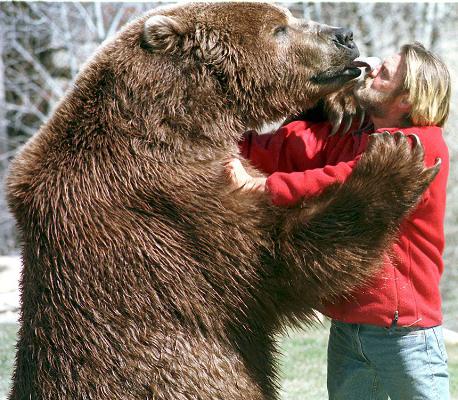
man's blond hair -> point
(427, 81)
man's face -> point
(377, 93)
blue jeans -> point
(367, 362)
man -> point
(386, 340)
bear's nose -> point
(344, 37)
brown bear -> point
(145, 276)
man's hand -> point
(240, 178)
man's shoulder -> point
(431, 137)
(426, 134)
(432, 140)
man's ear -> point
(163, 33)
(404, 103)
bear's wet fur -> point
(146, 276)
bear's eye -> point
(280, 31)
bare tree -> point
(42, 47)
(3, 130)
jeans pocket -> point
(439, 336)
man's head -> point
(412, 86)
(427, 82)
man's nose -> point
(374, 72)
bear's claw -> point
(416, 139)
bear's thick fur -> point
(145, 275)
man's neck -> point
(388, 122)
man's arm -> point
(286, 189)
(295, 157)
(294, 147)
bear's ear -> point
(162, 32)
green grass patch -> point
(7, 351)
(303, 363)
(453, 370)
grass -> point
(7, 342)
(453, 370)
(303, 363)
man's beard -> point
(375, 103)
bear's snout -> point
(344, 37)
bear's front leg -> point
(333, 243)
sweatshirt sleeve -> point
(294, 147)
(286, 189)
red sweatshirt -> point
(302, 159)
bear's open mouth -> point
(333, 76)
(348, 73)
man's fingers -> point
(232, 165)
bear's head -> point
(213, 70)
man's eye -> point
(281, 30)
